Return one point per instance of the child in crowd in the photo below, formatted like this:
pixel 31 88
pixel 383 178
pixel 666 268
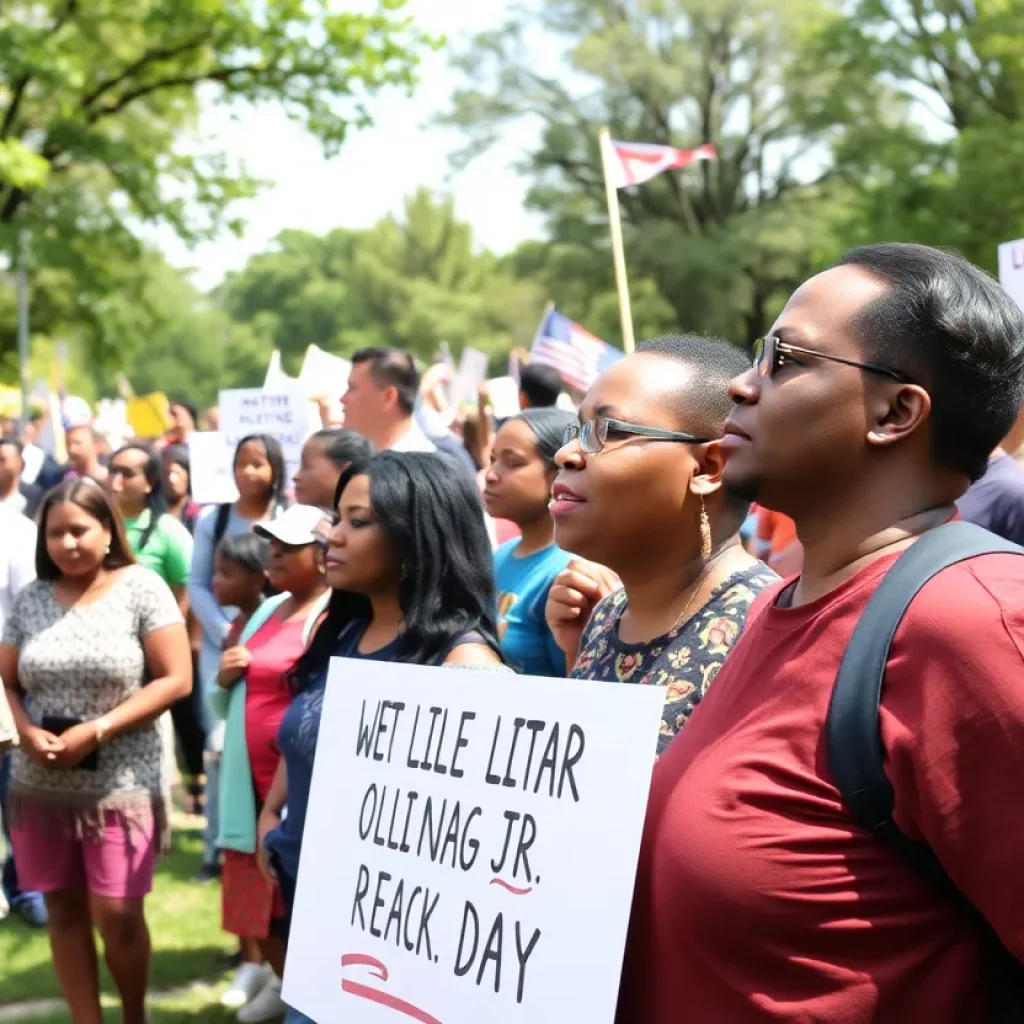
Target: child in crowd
pixel 238 581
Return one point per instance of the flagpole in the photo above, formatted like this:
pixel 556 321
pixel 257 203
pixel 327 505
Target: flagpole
pixel 618 252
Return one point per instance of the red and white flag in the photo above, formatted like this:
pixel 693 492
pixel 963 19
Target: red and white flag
pixel 633 163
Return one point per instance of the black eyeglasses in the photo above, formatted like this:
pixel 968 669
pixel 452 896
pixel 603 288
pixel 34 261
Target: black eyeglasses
pixel 596 432
pixel 770 353
pixel 124 472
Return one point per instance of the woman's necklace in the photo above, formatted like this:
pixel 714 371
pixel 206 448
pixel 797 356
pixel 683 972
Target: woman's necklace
pixel 704 574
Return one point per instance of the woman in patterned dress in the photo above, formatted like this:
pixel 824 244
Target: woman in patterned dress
pixel 87 790
pixel 639 493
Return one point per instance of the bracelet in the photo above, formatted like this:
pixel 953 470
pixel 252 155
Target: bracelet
pixel 103 726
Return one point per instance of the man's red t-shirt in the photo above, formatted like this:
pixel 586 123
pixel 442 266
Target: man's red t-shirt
pixel 759 899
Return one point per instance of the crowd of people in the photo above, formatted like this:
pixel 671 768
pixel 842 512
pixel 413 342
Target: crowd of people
pixel 145 638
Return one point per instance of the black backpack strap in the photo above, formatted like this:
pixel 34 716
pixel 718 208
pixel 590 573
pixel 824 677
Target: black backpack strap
pixel 220 525
pixel 856 755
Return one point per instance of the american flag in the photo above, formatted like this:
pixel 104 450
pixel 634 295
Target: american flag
pixel 577 355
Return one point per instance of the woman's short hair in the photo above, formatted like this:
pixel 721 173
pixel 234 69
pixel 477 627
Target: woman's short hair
pixel 92 499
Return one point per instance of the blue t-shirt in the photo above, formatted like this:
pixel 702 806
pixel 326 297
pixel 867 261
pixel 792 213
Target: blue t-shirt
pixel 523 585
pixel 297 737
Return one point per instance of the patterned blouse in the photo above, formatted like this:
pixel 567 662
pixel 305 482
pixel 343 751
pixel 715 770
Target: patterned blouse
pixel 685 660
pixel 82 662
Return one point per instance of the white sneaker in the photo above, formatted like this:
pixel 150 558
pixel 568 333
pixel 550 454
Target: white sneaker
pixel 248 982
pixel 266 1006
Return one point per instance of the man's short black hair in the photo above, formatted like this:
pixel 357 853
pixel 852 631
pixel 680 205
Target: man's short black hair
pixel 391 367
pixel 707 403
pixel 950 327
pixel 12 441
pixel 542 384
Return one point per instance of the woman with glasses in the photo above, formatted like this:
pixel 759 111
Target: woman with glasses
pixel 160 542
pixel 252 696
pixel 639 493
pixel 518 488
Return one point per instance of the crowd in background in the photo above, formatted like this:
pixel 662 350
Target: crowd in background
pixel 148 640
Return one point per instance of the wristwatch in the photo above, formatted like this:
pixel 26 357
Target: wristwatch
pixel 103 726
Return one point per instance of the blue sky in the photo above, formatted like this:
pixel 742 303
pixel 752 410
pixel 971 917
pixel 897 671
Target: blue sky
pixel 376 167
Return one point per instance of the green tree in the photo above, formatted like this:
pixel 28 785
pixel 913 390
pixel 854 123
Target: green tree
pixel 714 249
pixel 412 282
pixel 98 108
pixel 924 103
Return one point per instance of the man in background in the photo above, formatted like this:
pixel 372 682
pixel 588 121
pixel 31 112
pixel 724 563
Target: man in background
pixel 539 386
pixel 84 453
pixel 15 494
pixel 381 397
pixel 996 501
pixel 17 570
pixel 41 467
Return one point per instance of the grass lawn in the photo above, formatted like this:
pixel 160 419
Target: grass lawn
pixel 188 946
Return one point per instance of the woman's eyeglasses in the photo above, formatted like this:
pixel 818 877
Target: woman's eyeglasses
pixel 770 355
pixel 124 472
pixel 595 433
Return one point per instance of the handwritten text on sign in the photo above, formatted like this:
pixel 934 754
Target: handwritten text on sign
pixel 283 413
pixel 470 846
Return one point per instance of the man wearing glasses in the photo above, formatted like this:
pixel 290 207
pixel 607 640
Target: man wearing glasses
pixel 876 400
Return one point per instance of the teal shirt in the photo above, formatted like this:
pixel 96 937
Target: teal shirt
pixel 523 585
pixel 168 551
pixel 237 796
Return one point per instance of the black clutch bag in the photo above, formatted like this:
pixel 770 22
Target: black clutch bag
pixel 58 724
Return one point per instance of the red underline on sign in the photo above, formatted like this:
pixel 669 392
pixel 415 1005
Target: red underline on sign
pixel 511 888
pixel 378 970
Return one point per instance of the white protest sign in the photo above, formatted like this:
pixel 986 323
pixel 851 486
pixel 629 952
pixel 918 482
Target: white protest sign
pixel 1011 270
pixel 471 375
pixel 210 469
pixel 504 395
pixel 323 373
pixel 470 847
pixel 281 412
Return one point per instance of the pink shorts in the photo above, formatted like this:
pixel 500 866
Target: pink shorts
pixel 52 858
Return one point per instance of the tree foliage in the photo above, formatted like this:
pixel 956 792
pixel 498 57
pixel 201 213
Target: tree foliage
pixel 412 282
pixel 924 107
pixel 713 249
pixel 99 104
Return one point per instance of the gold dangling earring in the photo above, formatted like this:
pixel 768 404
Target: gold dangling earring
pixel 705 532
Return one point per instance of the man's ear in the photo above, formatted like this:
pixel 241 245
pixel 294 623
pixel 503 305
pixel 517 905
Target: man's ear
pixel 707 475
pixel 896 413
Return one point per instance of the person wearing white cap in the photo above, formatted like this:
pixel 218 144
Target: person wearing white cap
pixel 252 693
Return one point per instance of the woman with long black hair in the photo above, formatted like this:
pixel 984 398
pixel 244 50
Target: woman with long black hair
pixel 410 567
pixel 260 479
